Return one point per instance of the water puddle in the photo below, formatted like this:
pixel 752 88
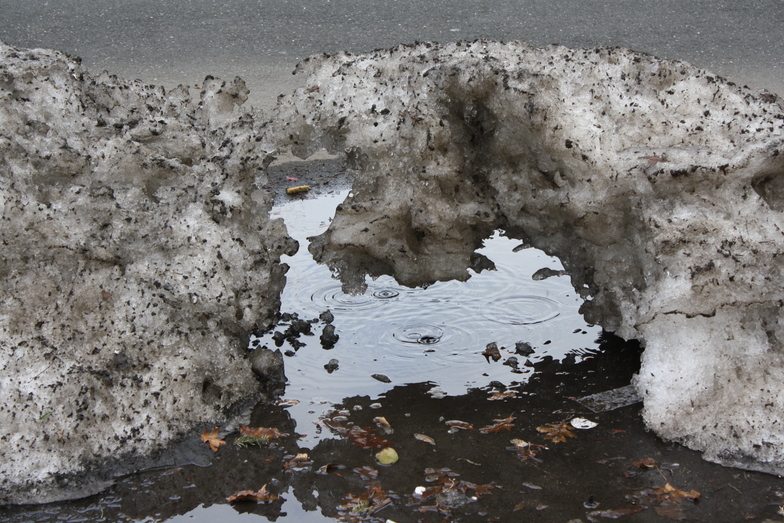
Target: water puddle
pixel 411 369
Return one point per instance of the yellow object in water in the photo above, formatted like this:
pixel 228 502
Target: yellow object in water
pixel 298 189
pixel 387 456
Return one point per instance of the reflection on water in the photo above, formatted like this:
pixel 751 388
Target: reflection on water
pixel 428 342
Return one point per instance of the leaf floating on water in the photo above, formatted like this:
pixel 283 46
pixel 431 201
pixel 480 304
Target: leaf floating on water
pixel 330 468
pixel 527 450
pixel 373 499
pixel 426 439
pixel 557 432
pixel 260 432
pixel 456 424
pixel 614 513
pixel 288 402
pixel 383 424
pixel 497 396
pixel 212 437
pixel 301 460
pixel 365 438
pixel 387 456
pixel 645 463
pixel 366 473
pixel 670 494
pixel 499 425
pixel 261 496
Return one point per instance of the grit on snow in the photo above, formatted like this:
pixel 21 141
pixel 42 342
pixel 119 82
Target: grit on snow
pixel 659 185
pixel 137 253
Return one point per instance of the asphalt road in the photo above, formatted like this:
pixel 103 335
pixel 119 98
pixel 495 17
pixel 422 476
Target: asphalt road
pixel 181 41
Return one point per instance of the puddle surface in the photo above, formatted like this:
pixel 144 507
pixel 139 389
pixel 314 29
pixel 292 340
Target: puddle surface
pixel 450 411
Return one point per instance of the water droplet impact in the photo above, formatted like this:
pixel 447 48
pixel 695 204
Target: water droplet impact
pixel 421 334
pixel 521 310
pixel 386 294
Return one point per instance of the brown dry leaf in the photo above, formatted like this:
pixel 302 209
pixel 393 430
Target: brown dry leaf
pixel 496 396
pixel 669 494
pixel 365 438
pixel 366 473
pixel 382 423
pixel 288 402
pixel 298 461
pixel 262 496
pixel 211 437
pixel 614 513
pixel 557 432
pixel 645 463
pixel 499 425
pixel 261 432
pixel 371 500
pixel 455 424
pixel 526 450
pixel 426 439
pixel 330 468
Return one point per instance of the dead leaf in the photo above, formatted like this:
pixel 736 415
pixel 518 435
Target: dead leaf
pixel 211 437
pixel 366 473
pixel 614 513
pixel 292 179
pixel 370 501
pixel 262 496
pixel 557 432
pixel 383 424
pixel 364 437
pixel 426 439
pixel 526 450
pixel 645 463
pixel 288 402
pixel 499 425
pixel 330 468
pixel 261 432
pixel 496 396
pixel 299 461
pixel 455 424
pixel 670 494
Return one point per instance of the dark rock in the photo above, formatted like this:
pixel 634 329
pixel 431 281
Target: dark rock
pixel 332 365
pixel 327 316
pixel 382 378
pixel 269 367
pixel 328 337
pixel 523 349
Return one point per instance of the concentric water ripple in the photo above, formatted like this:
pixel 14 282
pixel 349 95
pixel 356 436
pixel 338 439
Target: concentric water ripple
pixel 422 334
pixel 521 310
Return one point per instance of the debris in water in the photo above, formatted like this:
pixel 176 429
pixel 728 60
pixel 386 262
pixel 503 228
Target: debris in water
pixel 387 456
pixel 491 351
pixel 261 496
pixel 332 365
pixel 582 423
pixel 426 439
pixel 298 189
pixel 557 432
pixel 499 425
pixel 383 378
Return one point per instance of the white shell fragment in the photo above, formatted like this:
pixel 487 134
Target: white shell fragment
pixel 582 423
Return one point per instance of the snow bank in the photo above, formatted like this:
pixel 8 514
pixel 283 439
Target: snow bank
pixel 137 252
pixel 659 185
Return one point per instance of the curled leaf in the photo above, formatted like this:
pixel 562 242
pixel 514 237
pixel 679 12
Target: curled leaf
pixel 497 396
pixel 426 439
pixel 212 437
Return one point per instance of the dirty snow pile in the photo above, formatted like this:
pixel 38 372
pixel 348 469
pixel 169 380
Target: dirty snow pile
pixel 137 253
pixel 659 185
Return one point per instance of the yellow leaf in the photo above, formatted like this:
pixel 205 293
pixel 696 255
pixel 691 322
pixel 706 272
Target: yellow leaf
pixel 557 432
